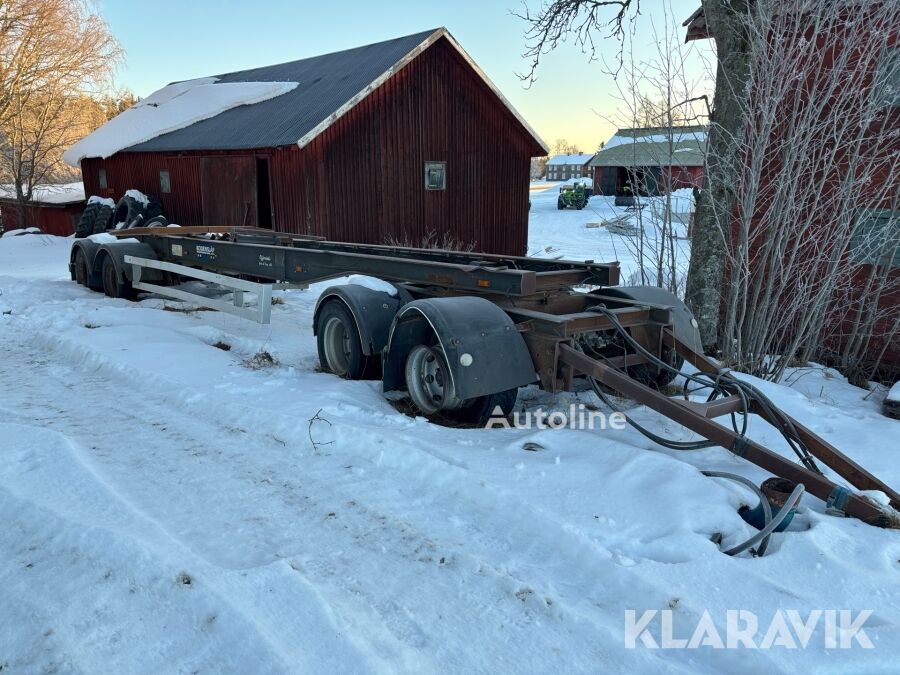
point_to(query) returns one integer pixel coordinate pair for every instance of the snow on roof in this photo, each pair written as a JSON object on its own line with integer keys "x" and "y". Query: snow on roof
{"x": 569, "y": 159}
{"x": 65, "y": 193}
{"x": 330, "y": 85}
{"x": 173, "y": 107}
{"x": 657, "y": 135}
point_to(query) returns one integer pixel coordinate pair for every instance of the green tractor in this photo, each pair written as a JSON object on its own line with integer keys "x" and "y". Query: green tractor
{"x": 572, "y": 197}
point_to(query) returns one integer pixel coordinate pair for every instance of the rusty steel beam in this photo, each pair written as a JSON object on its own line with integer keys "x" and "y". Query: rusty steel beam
{"x": 816, "y": 484}
{"x": 817, "y": 446}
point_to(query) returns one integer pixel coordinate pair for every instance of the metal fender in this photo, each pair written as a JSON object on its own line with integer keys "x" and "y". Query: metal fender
{"x": 685, "y": 324}
{"x": 485, "y": 352}
{"x": 373, "y": 311}
{"x": 117, "y": 251}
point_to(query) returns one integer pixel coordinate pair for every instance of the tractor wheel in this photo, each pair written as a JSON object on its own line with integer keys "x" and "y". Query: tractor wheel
{"x": 85, "y": 226}
{"x": 560, "y": 204}
{"x": 102, "y": 220}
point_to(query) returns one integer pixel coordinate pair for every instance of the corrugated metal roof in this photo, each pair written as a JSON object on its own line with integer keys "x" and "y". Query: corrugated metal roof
{"x": 328, "y": 86}
{"x": 326, "y": 83}
{"x": 568, "y": 159}
{"x": 650, "y": 146}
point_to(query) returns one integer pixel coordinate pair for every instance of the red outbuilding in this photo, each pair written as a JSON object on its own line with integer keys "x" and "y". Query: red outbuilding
{"x": 397, "y": 141}
{"x": 53, "y": 209}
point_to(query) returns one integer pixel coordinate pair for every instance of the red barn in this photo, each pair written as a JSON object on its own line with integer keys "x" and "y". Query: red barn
{"x": 650, "y": 160}
{"x": 851, "y": 162}
{"x": 53, "y": 209}
{"x": 393, "y": 141}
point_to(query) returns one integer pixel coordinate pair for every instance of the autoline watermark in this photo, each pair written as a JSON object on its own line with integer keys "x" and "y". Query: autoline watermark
{"x": 575, "y": 417}
{"x": 789, "y": 629}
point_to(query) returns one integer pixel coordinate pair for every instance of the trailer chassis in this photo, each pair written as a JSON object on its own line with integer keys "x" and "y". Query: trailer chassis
{"x": 527, "y": 312}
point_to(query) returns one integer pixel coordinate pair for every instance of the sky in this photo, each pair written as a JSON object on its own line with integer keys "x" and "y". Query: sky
{"x": 572, "y": 98}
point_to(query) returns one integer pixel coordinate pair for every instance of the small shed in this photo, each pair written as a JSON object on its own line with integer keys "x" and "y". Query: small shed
{"x": 401, "y": 141}
{"x": 54, "y": 209}
{"x": 650, "y": 160}
{"x": 566, "y": 167}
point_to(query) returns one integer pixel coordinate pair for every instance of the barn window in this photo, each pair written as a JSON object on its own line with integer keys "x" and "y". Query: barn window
{"x": 165, "y": 186}
{"x": 888, "y": 78}
{"x": 102, "y": 178}
{"x": 876, "y": 240}
{"x": 435, "y": 175}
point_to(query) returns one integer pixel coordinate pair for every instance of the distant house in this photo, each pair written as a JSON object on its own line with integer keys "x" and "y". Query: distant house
{"x": 54, "y": 209}
{"x": 649, "y": 161}
{"x": 565, "y": 167}
{"x": 391, "y": 141}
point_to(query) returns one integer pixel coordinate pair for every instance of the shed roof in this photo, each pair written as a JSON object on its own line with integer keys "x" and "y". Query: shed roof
{"x": 650, "y": 146}
{"x": 569, "y": 159}
{"x": 47, "y": 195}
{"x": 328, "y": 86}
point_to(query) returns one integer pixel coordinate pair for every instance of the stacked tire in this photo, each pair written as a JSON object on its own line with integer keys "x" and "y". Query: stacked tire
{"x": 130, "y": 211}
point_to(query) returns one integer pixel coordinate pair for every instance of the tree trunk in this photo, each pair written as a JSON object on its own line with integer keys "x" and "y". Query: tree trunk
{"x": 714, "y": 211}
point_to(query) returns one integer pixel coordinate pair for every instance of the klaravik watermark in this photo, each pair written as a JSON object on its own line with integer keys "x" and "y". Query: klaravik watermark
{"x": 657, "y": 629}
{"x": 575, "y": 417}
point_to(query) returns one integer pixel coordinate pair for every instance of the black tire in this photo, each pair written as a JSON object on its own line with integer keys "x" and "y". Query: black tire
{"x": 81, "y": 269}
{"x": 478, "y": 411}
{"x": 338, "y": 343}
{"x": 154, "y": 210}
{"x": 111, "y": 285}
{"x": 127, "y": 210}
{"x": 85, "y": 226}
{"x": 102, "y": 221}
{"x": 156, "y": 221}
{"x": 560, "y": 204}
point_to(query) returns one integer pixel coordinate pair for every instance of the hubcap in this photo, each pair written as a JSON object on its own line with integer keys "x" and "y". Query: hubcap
{"x": 429, "y": 382}
{"x": 336, "y": 344}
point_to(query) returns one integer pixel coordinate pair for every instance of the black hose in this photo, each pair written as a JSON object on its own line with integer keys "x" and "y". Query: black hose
{"x": 722, "y": 384}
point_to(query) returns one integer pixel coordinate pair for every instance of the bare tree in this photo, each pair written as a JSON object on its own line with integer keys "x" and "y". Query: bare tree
{"x": 812, "y": 244}
{"x": 588, "y": 22}
{"x": 563, "y": 147}
{"x": 656, "y": 93}
{"x": 54, "y": 56}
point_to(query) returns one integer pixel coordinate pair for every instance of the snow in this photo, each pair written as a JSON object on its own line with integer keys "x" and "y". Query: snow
{"x": 569, "y": 159}
{"x": 894, "y": 393}
{"x": 372, "y": 284}
{"x": 63, "y": 193}
{"x": 19, "y": 232}
{"x": 616, "y": 140}
{"x": 106, "y": 201}
{"x": 173, "y": 107}
{"x": 107, "y": 238}
{"x": 137, "y": 196}
{"x": 165, "y": 510}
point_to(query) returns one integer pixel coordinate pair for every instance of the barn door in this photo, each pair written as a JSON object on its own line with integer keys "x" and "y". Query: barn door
{"x": 228, "y": 186}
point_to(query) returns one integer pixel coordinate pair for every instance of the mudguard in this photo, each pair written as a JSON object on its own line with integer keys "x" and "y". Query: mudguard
{"x": 485, "y": 352}
{"x": 373, "y": 311}
{"x": 685, "y": 324}
{"x": 118, "y": 250}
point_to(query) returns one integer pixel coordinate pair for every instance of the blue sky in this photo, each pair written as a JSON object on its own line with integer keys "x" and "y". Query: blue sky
{"x": 169, "y": 40}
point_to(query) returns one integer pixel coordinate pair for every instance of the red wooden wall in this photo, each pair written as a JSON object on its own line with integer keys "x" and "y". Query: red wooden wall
{"x": 50, "y": 219}
{"x": 363, "y": 178}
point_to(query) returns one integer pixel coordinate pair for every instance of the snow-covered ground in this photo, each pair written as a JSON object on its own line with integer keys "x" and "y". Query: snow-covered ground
{"x": 171, "y": 503}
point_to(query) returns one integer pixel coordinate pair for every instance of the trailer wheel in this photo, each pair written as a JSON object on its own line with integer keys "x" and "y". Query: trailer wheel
{"x": 340, "y": 349}
{"x": 431, "y": 390}
{"x": 81, "y": 269}
{"x": 111, "y": 285}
